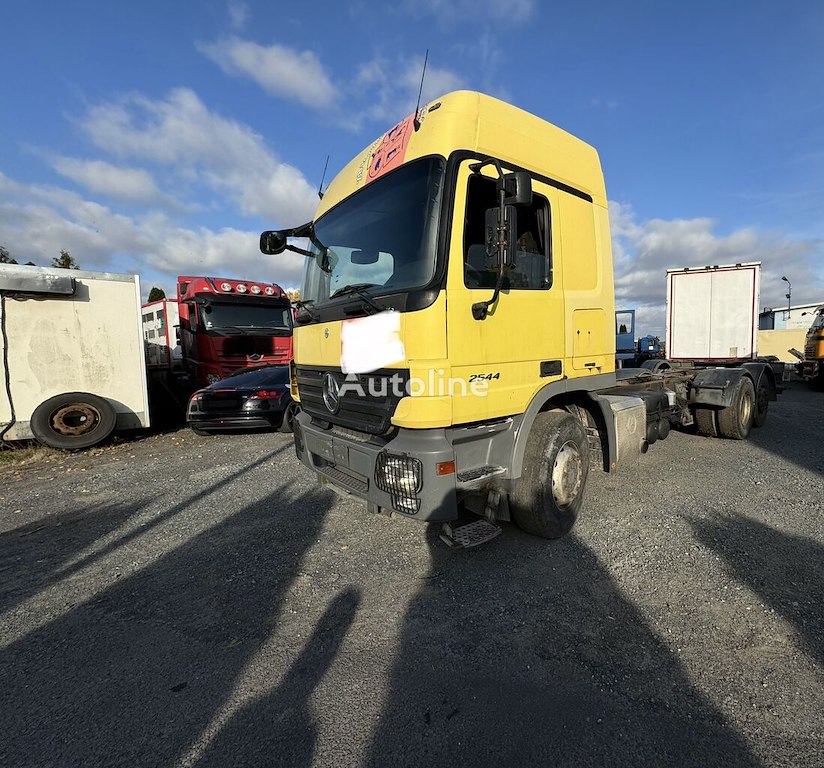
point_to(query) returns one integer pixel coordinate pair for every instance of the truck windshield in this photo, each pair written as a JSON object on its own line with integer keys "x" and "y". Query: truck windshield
{"x": 216, "y": 316}
{"x": 381, "y": 240}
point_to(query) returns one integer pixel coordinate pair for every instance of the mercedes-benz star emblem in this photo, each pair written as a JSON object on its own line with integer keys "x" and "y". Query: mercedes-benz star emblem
{"x": 331, "y": 393}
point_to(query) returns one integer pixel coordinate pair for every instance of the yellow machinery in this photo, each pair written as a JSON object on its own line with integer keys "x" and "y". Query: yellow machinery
{"x": 813, "y": 364}
{"x": 455, "y": 342}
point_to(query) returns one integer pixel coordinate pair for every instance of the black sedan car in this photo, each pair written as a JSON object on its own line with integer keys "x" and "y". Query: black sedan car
{"x": 251, "y": 398}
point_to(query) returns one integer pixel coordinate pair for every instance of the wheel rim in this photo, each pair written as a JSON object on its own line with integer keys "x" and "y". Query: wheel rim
{"x": 746, "y": 408}
{"x": 75, "y": 419}
{"x": 567, "y": 475}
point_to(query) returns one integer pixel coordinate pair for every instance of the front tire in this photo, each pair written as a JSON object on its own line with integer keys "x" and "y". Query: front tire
{"x": 550, "y": 492}
{"x": 736, "y": 420}
{"x": 287, "y": 424}
{"x": 73, "y": 421}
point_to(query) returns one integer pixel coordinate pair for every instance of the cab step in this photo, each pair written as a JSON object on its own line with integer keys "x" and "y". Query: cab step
{"x": 465, "y": 533}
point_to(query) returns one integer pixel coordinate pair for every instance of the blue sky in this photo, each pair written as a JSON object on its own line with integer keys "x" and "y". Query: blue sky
{"x": 161, "y": 138}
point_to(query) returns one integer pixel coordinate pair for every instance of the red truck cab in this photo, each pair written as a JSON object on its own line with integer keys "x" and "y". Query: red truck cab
{"x": 226, "y": 324}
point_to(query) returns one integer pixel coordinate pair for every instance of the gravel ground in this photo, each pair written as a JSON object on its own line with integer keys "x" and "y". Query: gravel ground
{"x": 184, "y": 600}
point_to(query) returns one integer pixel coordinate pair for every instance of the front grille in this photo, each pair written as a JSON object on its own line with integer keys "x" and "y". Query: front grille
{"x": 372, "y": 412}
{"x": 244, "y": 346}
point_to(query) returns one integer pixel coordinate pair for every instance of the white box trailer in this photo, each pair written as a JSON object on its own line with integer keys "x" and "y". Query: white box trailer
{"x": 73, "y": 361}
{"x": 161, "y": 321}
{"x": 712, "y": 313}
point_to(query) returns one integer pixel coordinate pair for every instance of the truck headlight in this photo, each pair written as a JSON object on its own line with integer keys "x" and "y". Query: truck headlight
{"x": 402, "y": 478}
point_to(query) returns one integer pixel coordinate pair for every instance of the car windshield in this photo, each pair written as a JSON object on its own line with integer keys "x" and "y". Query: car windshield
{"x": 252, "y": 317}
{"x": 382, "y": 239}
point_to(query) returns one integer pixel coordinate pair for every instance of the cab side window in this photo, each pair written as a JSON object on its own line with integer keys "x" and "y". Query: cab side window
{"x": 533, "y": 258}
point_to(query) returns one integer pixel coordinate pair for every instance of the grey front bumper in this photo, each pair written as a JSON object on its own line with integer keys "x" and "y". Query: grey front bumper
{"x": 351, "y": 464}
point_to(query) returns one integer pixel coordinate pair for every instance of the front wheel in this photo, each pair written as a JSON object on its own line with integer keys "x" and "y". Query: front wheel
{"x": 73, "y": 420}
{"x": 287, "y": 424}
{"x": 550, "y": 492}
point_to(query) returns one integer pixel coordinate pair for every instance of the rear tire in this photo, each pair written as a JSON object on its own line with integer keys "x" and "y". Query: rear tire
{"x": 199, "y": 431}
{"x": 656, "y": 364}
{"x": 762, "y": 403}
{"x": 550, "y": 492}
{"x": 736, "y": 420}
{"x": 706, "y": 421}
{"x": 73, "y": 420}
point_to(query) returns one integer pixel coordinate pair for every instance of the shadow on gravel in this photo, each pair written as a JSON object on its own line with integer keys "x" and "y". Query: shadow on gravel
{"x": 250, "y": 739}
{"x": 54, "y": 541}
{"x": 784, "y": 570}
{"x": 134, "y": 676}
{"x": 526, "y": 653}
{"x": 791, "y": 436}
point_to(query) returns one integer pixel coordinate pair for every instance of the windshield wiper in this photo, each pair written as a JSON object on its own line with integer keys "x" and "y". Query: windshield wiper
{"x": 358, "y": 289}
{"x": 304, "y": 305}
{"x": 219, "y": 328}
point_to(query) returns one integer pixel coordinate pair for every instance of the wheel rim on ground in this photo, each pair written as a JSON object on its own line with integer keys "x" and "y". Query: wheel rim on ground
{"x": 75, "y": 419}
{"x": 566, "y": 475}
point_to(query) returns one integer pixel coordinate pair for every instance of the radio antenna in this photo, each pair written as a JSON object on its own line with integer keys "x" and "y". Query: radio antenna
{"x": 416, "y": 122}
{"x": 320, "y": 186}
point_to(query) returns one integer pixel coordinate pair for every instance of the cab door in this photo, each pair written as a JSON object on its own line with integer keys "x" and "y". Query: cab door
{"x": 499, "y": 363}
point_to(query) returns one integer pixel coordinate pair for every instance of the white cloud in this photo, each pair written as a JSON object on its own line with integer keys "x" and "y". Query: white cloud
{"x": 279, "y": 70}
{"x": 203, "y": 148}
{"x": 37, "y": 222}
{"x": 382, "y": 90}
{"x": 133, "y": 185}
{"x": 238, "y": 13}
{"x": 450, "y": 11}
{"x": 393, "y": 88}
{"x": 643, "y": 251}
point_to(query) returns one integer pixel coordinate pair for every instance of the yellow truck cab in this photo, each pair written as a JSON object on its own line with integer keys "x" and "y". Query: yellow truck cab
{"x": 813, "y": 363}
{"x": 454, "y": 347}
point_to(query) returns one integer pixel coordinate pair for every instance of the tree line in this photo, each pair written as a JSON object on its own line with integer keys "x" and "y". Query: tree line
{"x": 64, "y": 261}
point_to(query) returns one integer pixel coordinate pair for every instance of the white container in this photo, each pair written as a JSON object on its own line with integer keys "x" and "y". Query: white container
{"x": 712, "y": 313}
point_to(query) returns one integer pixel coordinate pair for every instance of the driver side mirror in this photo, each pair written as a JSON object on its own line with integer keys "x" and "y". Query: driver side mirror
{"x": 517, "y": 188}
{"x": 272, "y": 242}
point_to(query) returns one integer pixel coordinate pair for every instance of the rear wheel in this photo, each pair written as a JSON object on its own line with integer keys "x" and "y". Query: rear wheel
{"x": 656, "y": 364}
{"x": 199, "y": 431}
{"x": 73, "y": 420}
{"x": 706, "y": 421}
{"x": 550, "y": 492}
{"x": 762, "y": 403}
{"x": 736, "y": 420}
